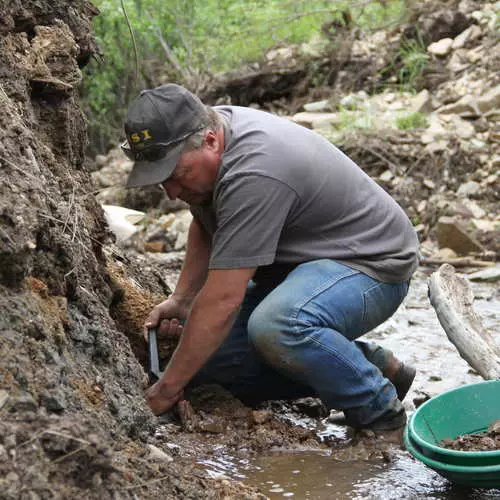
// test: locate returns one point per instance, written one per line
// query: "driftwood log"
(452, 298)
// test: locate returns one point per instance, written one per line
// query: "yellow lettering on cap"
(147, 134)
(135, 137)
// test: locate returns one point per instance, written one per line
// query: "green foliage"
(414, 59)
(411, 121)
(355, 120)
(189, 41)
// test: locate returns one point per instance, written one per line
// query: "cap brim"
(148, 173)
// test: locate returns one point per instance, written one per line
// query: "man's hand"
(161, 398)
(167, 317)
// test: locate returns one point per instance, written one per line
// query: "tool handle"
(153, 360)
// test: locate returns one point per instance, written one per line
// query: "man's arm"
(209, 322)
(195, 267)
(192, 277)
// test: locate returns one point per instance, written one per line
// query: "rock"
(486, 225)
(491, 274)
(154, 246)
(472, 33)
(315, 120)
(445, 254)
(386, 176)
(122, 221)
(490, 100)
(421, 103)
(212, 425)
(180, 228)
(476, 211)
(54, 401)
(25, 402)
(422, 205)
(436, 147)
(100, 161)
(450, 234)
(428, 183)
(4, 396)
(462, 128)
(470, 188)
(159, 455)
(261, 416)
(458, 61)
(434, 132)
(494, 427)
(354, 101)
(312, 407)
(317, 106)
(493, 178)
(465, 106)
(441, 47)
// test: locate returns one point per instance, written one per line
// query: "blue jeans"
(298, 339)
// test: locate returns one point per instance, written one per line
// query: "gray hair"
(213, 122)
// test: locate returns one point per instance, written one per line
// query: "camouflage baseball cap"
(157, 123)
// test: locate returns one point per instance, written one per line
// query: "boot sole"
(403, 380)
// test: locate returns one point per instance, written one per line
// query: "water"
(319, 477)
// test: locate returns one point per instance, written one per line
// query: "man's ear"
(212, 140)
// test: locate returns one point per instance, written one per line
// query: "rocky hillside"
(418, 107)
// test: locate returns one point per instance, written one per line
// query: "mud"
(481, 441)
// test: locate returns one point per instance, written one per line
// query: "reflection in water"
(321, 477)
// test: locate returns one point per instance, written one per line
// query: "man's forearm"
(195, 266)
(206, 329)
(209, 322)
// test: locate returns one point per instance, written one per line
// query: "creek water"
(415, 335)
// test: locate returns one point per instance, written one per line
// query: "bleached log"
(452, 298)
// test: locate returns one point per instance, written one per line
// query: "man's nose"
(172, 189)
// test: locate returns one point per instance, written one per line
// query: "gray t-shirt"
(285, 195)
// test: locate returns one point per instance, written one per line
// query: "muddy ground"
(73, 419)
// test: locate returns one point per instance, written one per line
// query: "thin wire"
(136, 55)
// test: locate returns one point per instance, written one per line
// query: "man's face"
(194, 176)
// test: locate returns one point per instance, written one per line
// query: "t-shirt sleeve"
(251, 211)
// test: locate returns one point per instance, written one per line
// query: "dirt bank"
(74, 422)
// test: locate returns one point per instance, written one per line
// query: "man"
(292, 254)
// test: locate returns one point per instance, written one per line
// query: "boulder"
(315, 120)
(452, 235)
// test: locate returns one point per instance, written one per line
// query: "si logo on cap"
(136, 138)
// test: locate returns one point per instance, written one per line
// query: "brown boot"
(400, 375)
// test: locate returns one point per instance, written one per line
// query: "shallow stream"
(415, 335)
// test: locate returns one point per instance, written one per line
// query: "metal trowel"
(154, 372)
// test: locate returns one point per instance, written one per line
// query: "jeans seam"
(328, 284)
(365, 293)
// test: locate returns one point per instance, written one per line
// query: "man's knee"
(259, 332)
